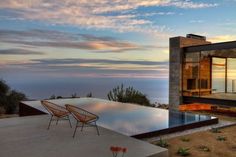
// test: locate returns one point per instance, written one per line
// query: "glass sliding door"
(205, 74)
(219, 75)
(231, 75)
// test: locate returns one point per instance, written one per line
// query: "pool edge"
(26, 110)
(177, 129)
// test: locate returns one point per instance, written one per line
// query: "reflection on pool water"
(128, 119)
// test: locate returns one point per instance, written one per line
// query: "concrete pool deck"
(28, 137)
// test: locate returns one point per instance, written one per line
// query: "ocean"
(155, 89)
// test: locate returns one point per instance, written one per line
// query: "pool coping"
(177, 128)
(26, 110)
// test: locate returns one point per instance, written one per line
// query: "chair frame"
(89, 123)
(64, 116)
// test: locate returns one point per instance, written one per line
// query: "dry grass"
(217, 148)
(207, 139)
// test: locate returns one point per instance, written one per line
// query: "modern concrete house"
(201, 71)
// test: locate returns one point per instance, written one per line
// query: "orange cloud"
(222, 38)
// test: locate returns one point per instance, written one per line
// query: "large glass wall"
(218, 75)
(208, 73)
(231, 71)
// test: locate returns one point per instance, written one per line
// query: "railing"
(234, 86)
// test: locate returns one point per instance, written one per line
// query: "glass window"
(218, 74)
(210, 74)
(205, 74)
(231, 75)
(190, 79)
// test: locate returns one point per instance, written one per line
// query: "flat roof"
(209, 47)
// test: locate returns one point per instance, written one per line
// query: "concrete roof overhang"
(224, 49)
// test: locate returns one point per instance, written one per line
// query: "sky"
(42, 39)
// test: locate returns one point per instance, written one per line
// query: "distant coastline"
(155, 89)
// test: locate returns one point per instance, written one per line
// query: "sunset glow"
(102, 38)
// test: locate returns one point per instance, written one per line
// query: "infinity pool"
(130, 119)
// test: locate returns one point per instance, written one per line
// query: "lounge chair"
(84, 117)
(56, 111)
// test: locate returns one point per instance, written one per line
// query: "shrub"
(204, 148)
(215, 130)
(55, 97)
(74, 95)
(9, 99)
(183, 151)
(59, 97)
(128, 95)
(52, 97)
(89, 95)
(13, 100)
(2, 110)
(221, 138)
(162, 143)
(185, 139)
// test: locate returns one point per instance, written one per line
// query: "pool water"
(128, 119)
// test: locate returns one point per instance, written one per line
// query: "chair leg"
(82, 127)
(75, 129)
(69, 121)
(50, 122)
(97, 129)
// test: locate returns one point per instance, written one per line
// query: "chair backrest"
(54, 109)
(79, 113)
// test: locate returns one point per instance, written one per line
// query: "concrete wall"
(176, 45)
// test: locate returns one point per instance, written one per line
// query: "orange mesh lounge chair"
(56, 111)
(84, 117)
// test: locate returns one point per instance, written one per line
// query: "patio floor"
(28, 137)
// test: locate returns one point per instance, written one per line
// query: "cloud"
(98, 46)
(187, 4)
(36, 34)
(105, 64)
(98, 14)
(222, 38)
(57, 39)
(90, 37)
(106, 61)
(18, 52)
(196, 21)
(90, 68)
(159, 13)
